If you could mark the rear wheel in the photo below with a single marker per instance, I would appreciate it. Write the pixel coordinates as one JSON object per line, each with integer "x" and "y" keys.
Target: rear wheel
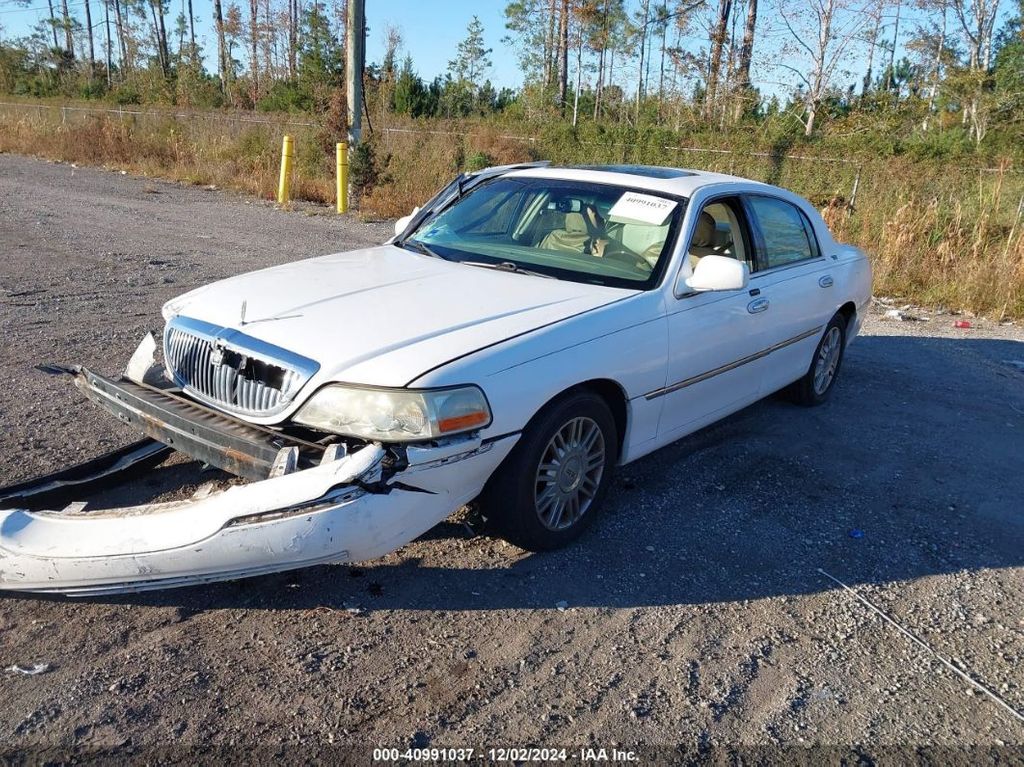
{"x": 816, "y": 385}
{"x": 548, "y": 489}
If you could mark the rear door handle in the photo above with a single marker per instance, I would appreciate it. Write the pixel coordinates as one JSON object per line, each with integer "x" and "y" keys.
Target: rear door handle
{"x": 826, "y": 281}
{"x": 758, "y": 305}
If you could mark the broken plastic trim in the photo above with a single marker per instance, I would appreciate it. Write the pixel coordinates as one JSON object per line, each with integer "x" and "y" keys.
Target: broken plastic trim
{"x": 87, "y": 476}
{"x": 240, "y": 448}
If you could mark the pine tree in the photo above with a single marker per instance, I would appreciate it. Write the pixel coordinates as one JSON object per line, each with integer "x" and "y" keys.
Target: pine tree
{"x": 472, "y": 58}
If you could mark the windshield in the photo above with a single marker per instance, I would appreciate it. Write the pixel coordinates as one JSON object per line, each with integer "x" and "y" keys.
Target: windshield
{"x": 584, "y": 232}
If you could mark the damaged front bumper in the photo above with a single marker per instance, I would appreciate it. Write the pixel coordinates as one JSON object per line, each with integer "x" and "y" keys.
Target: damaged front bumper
{"x": 311, "y": 505}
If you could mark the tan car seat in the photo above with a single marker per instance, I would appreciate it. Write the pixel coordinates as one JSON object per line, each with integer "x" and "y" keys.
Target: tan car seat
{"x": 572, "y": 239}
{"x": 703, "y": 241}
{"x": 644, "y": 239}
{"x": 652, "y": 252}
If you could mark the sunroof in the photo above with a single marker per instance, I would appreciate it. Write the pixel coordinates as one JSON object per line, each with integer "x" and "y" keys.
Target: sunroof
{"x": 651, "y": 171}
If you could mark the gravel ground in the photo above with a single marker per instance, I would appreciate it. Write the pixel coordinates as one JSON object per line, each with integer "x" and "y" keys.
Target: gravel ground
{"x": 695, "y": 613}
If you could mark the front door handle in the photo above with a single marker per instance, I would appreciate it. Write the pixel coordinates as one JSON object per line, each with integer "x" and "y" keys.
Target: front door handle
{"x": 826, "y": 281}
{"x": 758, "y": 305}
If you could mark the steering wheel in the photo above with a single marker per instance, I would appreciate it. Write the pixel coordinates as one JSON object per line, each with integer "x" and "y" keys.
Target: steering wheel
{"x": 620, "y": 253}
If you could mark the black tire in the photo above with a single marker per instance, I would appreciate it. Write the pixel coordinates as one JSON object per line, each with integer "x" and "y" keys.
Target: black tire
{"x": 805, "y": 391}
{"x": 510, "y": 500}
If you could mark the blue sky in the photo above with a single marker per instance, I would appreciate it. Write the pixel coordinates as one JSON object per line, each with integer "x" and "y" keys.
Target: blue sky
{"x": 431, "y": 30}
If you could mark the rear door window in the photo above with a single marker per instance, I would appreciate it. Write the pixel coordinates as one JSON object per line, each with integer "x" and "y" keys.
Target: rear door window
{"x": 785, "y": 232}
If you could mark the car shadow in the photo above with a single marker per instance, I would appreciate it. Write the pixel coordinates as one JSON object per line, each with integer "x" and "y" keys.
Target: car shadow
{"x": 914, "y": 468}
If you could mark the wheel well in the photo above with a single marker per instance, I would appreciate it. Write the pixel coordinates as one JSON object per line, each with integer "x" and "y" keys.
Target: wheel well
{"x": 613, "y": 394}
{"x": 849, "y": 311}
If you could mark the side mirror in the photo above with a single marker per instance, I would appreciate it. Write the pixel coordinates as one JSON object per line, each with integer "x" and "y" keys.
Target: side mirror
{"x": 403, "y": 222}
{"x": 718, "y": 273}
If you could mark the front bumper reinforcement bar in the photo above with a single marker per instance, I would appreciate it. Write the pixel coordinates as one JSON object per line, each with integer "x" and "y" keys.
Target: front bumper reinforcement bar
{"x": 236, "y": 447}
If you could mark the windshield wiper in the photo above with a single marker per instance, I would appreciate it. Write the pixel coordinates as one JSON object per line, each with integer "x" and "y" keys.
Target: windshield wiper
{"x": 508, "y": 266}
{"x": 415, "y": 245}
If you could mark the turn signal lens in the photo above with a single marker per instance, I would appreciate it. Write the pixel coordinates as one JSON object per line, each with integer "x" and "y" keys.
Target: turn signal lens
{"x": 462, "y": 422}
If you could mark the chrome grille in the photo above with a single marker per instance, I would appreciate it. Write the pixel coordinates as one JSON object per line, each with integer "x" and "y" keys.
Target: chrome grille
{"x": 232, "y": 371}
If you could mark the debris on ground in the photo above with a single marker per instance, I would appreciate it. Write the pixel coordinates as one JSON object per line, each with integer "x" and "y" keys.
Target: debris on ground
{"x": 35, "y": 668}
{"x": 963, "y": 324}
{"x": 902, "y": 315}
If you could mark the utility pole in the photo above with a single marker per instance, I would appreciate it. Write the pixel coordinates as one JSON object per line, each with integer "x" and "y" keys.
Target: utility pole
{"x": 355, "y": 50}
{"x": 106, "y": 26}
{"x": 890, "y": 81}
{"x": 579, "y": 78}
{"x": 92, "y": 47}
{"x": 53, "y": 25}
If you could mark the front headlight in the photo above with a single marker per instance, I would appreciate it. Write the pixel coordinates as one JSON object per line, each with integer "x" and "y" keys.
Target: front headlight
{"x": 395, "y": 415}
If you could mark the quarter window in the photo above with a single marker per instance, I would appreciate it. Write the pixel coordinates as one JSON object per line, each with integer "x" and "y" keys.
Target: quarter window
{"x": 786, "y": 232}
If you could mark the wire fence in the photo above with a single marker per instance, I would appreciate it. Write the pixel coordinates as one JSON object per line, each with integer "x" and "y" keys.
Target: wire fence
{"x": 832, "y": 177}
{"x": 825, "y": 179}
{"x": 461, "y": 134}
{"x": 67, "y": 111}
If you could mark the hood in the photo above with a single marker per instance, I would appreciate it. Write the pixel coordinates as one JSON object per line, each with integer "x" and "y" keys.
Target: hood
{"x": 383, "y": 316}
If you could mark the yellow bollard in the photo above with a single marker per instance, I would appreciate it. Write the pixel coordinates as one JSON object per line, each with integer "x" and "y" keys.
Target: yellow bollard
{"x": 342, "y": 176}
{"x": 283, "y": 184}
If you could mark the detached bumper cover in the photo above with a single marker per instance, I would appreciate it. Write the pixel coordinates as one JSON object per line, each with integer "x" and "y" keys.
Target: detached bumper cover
{"x": 221, "y": 536}
{"x": 319, "y": 515}
{"x": 342, "y": 510}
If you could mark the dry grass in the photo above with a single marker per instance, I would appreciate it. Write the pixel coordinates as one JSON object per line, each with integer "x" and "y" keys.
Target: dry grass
{"x": 237, "y": 156}
{"x": 962, "y": 248}
{"x": 939, "y": 234}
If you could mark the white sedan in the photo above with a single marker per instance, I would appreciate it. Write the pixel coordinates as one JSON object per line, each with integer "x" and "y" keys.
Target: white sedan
{"x": 527, "y": 331}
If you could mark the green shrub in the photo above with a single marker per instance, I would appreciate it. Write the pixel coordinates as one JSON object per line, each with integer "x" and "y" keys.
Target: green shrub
{"x": 127, "y": 95}
{"x": 365, "y": 168}
{"x": 479, "y": 161}
{"x": 285, "y": 97}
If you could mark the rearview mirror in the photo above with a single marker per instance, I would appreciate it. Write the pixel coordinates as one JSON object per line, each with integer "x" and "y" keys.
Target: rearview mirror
{"x": 718, "y": 273}
{"x": 403, "y": 222}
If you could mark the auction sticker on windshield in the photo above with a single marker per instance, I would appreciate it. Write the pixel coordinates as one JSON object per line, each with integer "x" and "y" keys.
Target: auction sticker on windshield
{"x": 642, "y": 209}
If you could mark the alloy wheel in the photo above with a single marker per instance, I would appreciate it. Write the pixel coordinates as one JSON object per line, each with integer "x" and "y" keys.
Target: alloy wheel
{"x": 828, "y": 360}
{"x": 569, "y": 473}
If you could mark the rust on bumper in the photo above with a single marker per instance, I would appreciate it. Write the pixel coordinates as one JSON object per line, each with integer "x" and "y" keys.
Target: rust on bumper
{"x": 237, "y": 447}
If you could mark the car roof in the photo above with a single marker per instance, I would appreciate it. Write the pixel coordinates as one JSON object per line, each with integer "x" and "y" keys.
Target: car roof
{"x": 676, "y": 181}
{"x": 650, "y": 171}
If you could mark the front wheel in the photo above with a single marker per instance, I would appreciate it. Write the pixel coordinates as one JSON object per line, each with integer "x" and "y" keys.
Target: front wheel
{"x": 547, "y": 490}
{"x": 816, "y": 385}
